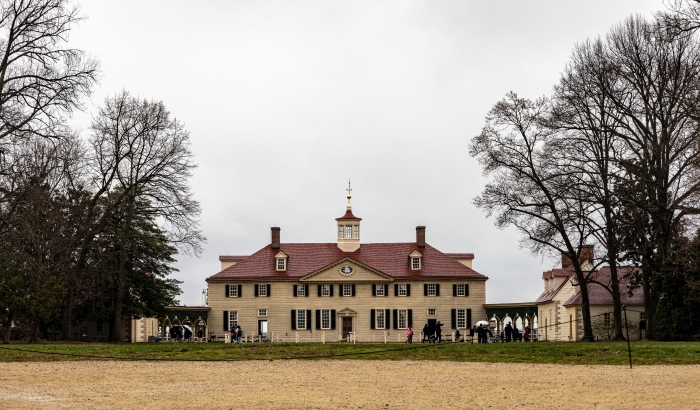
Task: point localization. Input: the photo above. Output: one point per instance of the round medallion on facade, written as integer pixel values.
(346, 270)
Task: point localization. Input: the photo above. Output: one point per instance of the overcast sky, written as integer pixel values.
(286, 100)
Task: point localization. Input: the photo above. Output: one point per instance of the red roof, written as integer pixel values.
(231, 258)
(461, 255)
(389, 258)
(598, 295)
(348, 215)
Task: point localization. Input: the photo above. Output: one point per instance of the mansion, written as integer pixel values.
(345, 290)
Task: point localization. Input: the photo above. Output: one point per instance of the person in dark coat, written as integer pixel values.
(438, 332)
(426, 329)
(508, 331)
(481, 334)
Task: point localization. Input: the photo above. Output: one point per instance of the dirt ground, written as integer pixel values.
(353, 384)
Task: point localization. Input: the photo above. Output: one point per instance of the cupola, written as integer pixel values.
(348, 228)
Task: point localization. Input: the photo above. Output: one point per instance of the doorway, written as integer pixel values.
(347, 326)
(262, 328)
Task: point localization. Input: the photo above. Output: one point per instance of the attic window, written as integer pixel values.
(281, 261)
(416, 261)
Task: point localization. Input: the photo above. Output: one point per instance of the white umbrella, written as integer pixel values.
(187, 327)
(482, 322)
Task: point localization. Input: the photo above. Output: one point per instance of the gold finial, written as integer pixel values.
(349, 190)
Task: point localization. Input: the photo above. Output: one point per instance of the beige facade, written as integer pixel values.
(352, 310)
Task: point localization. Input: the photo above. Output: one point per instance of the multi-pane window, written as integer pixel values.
(431, 312)
(262, 289)
(325, 319)
(262, 312)
(233, 291)
(301, 319)
(348, 231)
(341, 232)
(379, 318)
(606, 320)
(379, 290)
(415, 263)
(301, 290)
(403, 319)
(281, 264)
(347, 290)
(325, 290)
(402, 290)
(356, 231)
(461, 318)
(432, 289)
(461, 289)
(232, 319)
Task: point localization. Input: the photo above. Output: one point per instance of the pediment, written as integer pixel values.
(347, 312)
(415, 254)
(359, 273)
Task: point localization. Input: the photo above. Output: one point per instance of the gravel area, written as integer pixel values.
(323, 384)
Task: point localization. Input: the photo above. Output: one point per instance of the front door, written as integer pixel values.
(262, 328)
(347, 326)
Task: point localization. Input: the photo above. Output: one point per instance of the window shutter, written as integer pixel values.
(227, 290)
(410, 317)
(353, 290)
(466, 289)
(408, 289)
(306, 291)
(396, 319)
(332, 319)
(331, 286)
(454, 290)
(256, 289)
(319, 290)
(387, 319)
(340, 290)
(268, 290)
(374, 290)
(318, 319)
(308, 318)
(396, 289)
(295, 290)
(469, 318)
(240, 289)
(437, 289)
(425, 289)
(225, 320)
(294, 320)
(386, 289)
(371, 320)
(454, 318)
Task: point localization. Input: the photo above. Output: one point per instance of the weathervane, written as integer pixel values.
(349, 190)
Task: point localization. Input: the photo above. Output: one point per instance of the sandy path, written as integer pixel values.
(343, 384)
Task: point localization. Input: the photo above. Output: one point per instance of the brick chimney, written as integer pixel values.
(585, 255)
(275, 244)
(420, 236)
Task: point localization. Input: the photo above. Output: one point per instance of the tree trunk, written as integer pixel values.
(585, 306)
(67, 315)
(7, 328)
(121, 272)
(34, 335)
(617, 301)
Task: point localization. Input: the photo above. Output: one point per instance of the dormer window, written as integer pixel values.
(416, 260)
(281, 262)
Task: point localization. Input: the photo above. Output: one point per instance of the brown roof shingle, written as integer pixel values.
(388, 258)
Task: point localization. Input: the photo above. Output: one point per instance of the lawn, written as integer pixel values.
(643, 353)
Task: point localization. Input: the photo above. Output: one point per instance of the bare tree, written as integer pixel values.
(41, 78)
(529, 190)
(592, 152)
(142, 155)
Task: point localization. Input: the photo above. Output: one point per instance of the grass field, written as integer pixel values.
(643, 353)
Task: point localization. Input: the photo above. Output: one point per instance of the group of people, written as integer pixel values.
(236, 334)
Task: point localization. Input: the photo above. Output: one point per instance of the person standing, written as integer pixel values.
(438, 331)
(508, 331)
(409, 335)
(481, 334)
(426, 329)
(239, 334)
